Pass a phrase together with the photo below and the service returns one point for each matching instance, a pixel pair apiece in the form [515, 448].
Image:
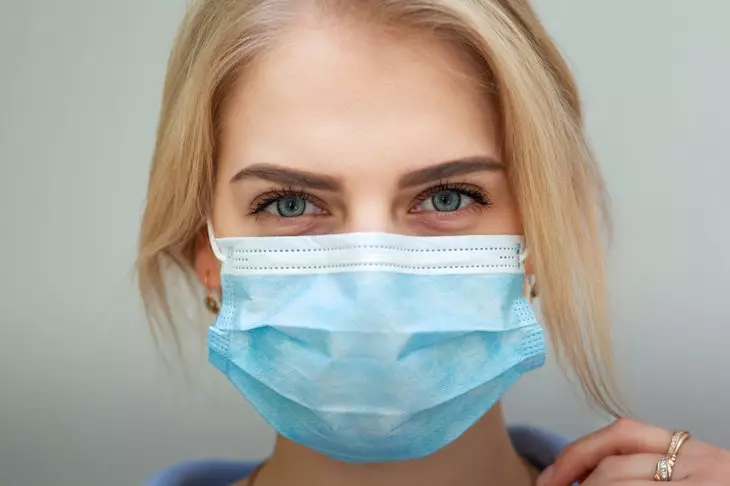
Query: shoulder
[203, 473]
[538, 446]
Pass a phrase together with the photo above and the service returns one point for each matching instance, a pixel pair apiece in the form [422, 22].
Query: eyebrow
[288, 177]
[467, 165]
[300, 178]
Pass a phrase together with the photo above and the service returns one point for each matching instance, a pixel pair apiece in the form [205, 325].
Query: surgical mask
[373, 347]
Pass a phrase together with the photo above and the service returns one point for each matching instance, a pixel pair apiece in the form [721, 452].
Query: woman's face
[345, 129]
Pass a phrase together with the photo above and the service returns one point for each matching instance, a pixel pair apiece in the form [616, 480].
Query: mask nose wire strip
[214, 244]
[219, 254]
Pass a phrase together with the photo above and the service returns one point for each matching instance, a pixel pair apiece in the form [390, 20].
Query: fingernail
[545, 477]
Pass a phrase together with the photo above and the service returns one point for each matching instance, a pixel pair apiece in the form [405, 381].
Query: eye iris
[291, 206]
[445, 201]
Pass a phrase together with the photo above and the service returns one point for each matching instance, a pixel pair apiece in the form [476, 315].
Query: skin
[346, 128]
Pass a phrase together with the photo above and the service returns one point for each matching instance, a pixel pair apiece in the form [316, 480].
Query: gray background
[85, 398]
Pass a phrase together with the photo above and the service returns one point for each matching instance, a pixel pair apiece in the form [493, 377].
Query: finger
[630, 482]
[623, 437]
[615, 469]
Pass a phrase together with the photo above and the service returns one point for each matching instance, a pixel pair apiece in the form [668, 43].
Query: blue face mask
[373, 347]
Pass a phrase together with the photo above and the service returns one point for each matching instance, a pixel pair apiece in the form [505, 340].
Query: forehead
[355, 99]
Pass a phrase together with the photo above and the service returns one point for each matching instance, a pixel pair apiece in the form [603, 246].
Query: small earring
[535, 291]
[212, 302]
[532, 289]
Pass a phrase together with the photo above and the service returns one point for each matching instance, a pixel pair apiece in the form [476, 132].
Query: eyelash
[265, 200]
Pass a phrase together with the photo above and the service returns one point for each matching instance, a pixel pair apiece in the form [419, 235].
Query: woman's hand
[626, 454]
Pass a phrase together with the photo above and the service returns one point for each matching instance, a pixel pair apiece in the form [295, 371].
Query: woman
[371, 192]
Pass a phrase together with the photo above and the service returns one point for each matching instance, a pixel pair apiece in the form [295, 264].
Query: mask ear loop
[531, 291]
[212, 302]
[523, 255]
[213, 243]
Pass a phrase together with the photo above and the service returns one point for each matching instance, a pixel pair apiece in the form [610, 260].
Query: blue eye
[446, 201]
[290, 206]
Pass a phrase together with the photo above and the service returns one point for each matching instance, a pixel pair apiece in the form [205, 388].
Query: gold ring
[665, 466]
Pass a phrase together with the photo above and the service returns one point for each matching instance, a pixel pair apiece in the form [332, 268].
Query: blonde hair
[556, 181]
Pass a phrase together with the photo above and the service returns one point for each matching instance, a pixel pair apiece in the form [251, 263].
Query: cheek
[503, 217]
[506, 219]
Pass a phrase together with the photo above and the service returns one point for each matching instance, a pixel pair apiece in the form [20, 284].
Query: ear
[207, 266]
